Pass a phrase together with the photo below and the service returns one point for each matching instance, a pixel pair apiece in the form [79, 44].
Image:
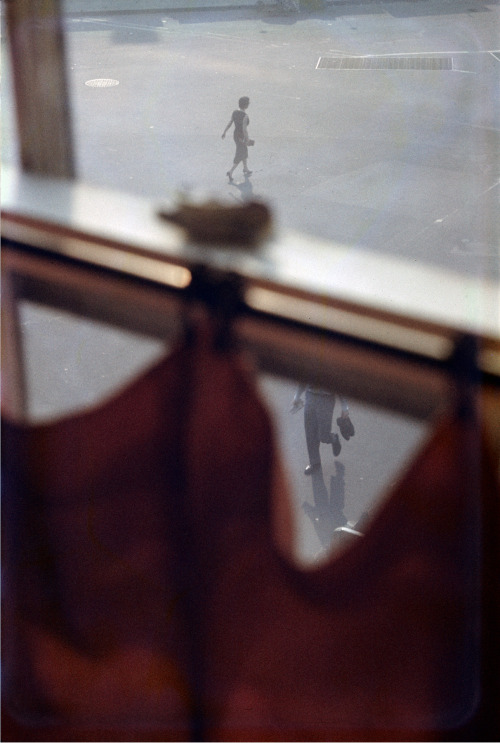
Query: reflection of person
[318, 417]
[240, 135]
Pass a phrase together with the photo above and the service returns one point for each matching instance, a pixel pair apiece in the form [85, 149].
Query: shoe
[247, 172]
[311, 468]
[229, 175]
[347, 531]
[336, 447]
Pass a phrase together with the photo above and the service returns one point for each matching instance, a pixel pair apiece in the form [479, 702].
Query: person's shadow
[327, 514]
[245, 188]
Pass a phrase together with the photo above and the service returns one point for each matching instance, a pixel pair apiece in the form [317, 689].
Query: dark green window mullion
[36, 44]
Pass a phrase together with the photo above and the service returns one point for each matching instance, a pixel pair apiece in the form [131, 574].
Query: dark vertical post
[39, 76]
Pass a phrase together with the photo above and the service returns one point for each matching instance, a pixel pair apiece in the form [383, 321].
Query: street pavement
[402, 162]
[399, 162]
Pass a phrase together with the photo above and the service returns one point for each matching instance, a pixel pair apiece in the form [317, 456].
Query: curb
[90, 7]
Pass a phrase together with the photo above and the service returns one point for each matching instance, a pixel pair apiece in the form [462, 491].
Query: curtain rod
[413, 378]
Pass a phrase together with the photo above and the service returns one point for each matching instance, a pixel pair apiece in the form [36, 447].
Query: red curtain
[146, 596]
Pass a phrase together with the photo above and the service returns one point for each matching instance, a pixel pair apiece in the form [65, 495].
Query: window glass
[375, 124]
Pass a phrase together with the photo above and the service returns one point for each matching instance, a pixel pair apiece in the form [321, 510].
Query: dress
[239, 137]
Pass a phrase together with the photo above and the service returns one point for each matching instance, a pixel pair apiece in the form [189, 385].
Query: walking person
[240, 135]
[318, 418]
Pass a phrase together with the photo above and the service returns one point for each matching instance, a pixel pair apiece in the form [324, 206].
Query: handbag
[346, 427]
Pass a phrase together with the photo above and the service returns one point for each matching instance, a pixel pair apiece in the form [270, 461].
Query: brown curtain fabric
[145, 597]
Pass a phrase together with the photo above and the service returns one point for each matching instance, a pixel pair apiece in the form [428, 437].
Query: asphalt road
[403, 162]
[399, 161]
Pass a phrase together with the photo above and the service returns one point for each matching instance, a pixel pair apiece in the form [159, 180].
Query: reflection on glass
[338, 497]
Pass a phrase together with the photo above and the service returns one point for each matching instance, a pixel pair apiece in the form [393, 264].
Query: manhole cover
[102, 82]
[385, 63]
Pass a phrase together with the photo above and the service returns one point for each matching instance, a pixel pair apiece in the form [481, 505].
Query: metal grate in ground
[385, 63]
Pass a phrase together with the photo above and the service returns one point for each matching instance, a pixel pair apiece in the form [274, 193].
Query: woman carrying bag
[241, 121]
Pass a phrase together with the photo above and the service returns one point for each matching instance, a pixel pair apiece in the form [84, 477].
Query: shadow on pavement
[327, 513]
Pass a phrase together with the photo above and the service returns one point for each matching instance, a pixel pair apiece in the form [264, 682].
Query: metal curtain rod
[412, 382]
